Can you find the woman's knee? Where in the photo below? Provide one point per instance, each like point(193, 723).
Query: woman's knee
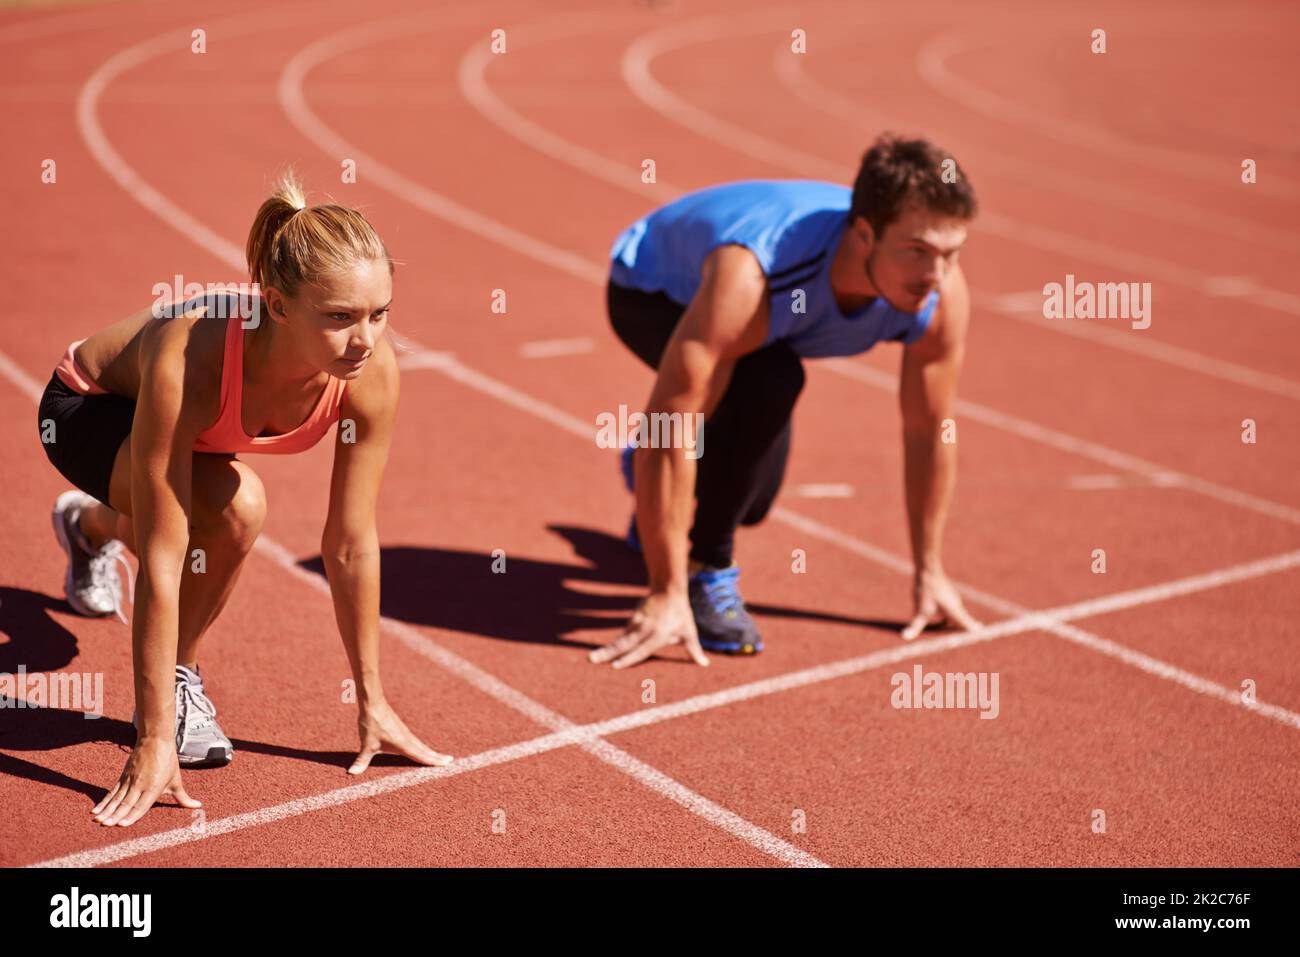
point(229, 501)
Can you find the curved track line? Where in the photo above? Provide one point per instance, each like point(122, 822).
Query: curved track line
point(791, 74)
point(473, 80)
point(636, 73)
point(136, 187)
point(472, 76)
point(1158, 474)
point(436, 204)
point(1136, 659)
point(932, 66)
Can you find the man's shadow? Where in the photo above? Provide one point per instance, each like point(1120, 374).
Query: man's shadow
point(534, 601)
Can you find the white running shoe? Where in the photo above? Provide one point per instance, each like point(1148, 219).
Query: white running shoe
point(92, 583)
point(200, 742)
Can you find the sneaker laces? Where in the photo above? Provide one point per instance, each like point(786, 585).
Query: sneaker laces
point(104, 576)
point(194, 710)
point(720, 587)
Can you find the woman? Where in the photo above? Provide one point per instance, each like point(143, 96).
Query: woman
point(147, 418)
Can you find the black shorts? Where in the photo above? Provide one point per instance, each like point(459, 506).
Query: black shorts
point(644, 321)
point(82, 434)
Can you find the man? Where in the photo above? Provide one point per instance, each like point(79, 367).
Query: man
point(725, 291)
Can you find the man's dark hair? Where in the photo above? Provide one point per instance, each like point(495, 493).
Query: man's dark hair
point(897, 173)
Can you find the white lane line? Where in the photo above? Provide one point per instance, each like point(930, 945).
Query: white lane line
point(489, 684)
point(865, 118)
point(1105, 646)
point(426, 360)
point(126, 177)
point(294, 103)
point(822, 490)
point(122, 850)
point(636, 68)
point(1027, 307)
point(27, 385)
point(1047, 621)
point(637, 75)
point(551, 348)
point(1156, 473)
point(697, 704)
point(932, 66)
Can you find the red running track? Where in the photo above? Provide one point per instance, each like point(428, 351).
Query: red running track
point(515, 172)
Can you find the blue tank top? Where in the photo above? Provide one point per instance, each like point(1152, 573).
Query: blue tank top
point(793, 228)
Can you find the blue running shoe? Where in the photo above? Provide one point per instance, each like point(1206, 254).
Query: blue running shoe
point(720, 617)
point(625, 464)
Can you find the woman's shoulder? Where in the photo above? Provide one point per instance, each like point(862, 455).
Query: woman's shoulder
point(188, 345)
point(115, 356)
point(183, 355)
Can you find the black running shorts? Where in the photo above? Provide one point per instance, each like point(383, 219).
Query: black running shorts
point(82, 433)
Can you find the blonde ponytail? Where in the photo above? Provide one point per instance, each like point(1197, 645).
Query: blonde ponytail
point(291, 243)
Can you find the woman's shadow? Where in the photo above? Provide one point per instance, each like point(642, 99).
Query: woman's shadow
point(33, 641)
point(490, 595)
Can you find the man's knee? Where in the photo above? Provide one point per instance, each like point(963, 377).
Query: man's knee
point(229, 502)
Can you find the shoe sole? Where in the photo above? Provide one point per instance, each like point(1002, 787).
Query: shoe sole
point(61, 533)
point(739, 648)
point(217, 757)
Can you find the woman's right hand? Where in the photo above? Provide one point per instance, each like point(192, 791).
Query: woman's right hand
point(151, 771)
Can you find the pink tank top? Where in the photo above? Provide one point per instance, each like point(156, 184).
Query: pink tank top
point(227, 433)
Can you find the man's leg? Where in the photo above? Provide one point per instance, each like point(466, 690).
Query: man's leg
point(746, 446)
point(746, 440)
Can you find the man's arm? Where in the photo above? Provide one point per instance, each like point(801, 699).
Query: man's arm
point(726, 319)
point(927, 395)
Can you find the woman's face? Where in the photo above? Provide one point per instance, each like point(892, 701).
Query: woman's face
point(336, 321)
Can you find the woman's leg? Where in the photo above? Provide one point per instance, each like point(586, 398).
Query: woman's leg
point(228, 508)
point(99, 523)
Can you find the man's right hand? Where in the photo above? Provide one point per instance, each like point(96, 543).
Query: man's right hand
point(151, 771)
point(661, 620)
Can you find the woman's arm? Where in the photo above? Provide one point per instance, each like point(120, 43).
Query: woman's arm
point(350, 551)
point(162, 443)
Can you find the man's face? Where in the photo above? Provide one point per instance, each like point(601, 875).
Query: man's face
point(913, 255)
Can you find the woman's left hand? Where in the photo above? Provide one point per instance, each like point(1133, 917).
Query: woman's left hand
point(382, 731)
